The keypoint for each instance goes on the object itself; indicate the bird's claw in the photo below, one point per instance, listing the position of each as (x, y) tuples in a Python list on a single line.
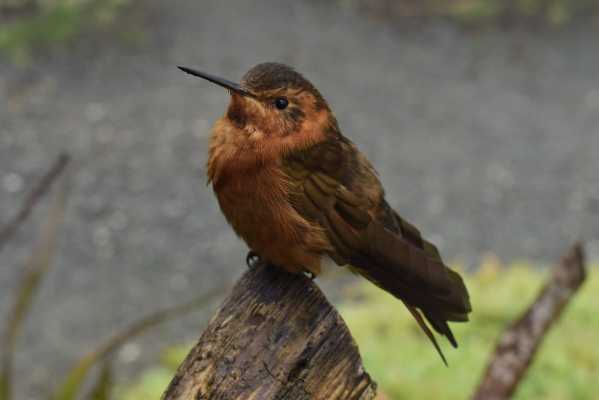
[(253, 260)]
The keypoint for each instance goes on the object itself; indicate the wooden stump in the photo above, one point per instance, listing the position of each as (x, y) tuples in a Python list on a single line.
[(275, 337)]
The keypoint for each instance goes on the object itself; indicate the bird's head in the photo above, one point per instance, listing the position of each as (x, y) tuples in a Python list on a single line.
[(274, 109)]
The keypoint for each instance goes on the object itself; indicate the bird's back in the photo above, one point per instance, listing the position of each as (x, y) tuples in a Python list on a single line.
[(339, 189)]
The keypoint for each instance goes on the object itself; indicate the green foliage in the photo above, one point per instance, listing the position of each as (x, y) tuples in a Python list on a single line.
[(55, 23), (151, 385), (400, 357), (154, 381), (103, 387)]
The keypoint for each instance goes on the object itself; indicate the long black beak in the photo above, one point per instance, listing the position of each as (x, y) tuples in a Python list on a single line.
[(232, 86)]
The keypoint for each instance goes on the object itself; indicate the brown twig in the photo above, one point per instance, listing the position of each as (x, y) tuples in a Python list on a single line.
[(33, 198), (520, 342)]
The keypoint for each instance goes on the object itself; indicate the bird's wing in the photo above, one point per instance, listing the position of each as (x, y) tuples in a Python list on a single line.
[(371, 237)]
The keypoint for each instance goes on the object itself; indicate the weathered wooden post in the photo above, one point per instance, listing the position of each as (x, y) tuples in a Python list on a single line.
[(275, 337)]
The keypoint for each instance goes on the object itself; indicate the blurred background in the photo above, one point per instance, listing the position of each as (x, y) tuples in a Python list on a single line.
[(482, 117)]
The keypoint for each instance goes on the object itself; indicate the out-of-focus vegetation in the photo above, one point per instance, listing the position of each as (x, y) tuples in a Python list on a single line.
[(552, 12), (36, 269), (152, 383), (79, 374), (26, 25), (401, 358), (482, 12), (405, 365)]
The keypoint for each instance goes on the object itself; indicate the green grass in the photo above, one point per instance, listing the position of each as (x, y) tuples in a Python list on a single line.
[(405, 365), (400, 358), (154, 381)]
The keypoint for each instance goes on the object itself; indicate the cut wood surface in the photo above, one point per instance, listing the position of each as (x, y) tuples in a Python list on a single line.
[(519, 343), (275, 337)]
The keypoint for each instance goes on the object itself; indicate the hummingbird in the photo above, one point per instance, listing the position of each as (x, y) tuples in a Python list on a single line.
[(299, 192)]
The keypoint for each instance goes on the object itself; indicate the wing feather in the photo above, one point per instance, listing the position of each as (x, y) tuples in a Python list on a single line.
[(373, 239)]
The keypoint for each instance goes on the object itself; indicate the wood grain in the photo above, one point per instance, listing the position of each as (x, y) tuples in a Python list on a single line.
[(275, 337)]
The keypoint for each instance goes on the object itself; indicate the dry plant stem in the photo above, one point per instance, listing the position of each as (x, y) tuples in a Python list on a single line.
[(275, 337), (33, 198), (75, 379), (37, 265), (519, 343)]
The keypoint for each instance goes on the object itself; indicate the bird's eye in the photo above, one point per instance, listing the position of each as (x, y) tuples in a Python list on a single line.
[(281, 103)]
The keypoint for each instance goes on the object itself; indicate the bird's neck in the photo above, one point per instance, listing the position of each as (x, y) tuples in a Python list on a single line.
[(232, 153), (239, 151)]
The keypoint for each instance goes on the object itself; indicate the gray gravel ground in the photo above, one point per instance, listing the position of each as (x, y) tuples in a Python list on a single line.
[(486, 140)]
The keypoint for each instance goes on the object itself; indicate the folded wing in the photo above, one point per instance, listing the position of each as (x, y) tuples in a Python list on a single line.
[(377, 243)]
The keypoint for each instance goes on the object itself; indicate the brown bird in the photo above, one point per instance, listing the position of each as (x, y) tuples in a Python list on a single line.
[(297, 190)]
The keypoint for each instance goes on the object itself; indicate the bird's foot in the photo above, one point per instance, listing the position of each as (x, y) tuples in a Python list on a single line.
[(253, 260)]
